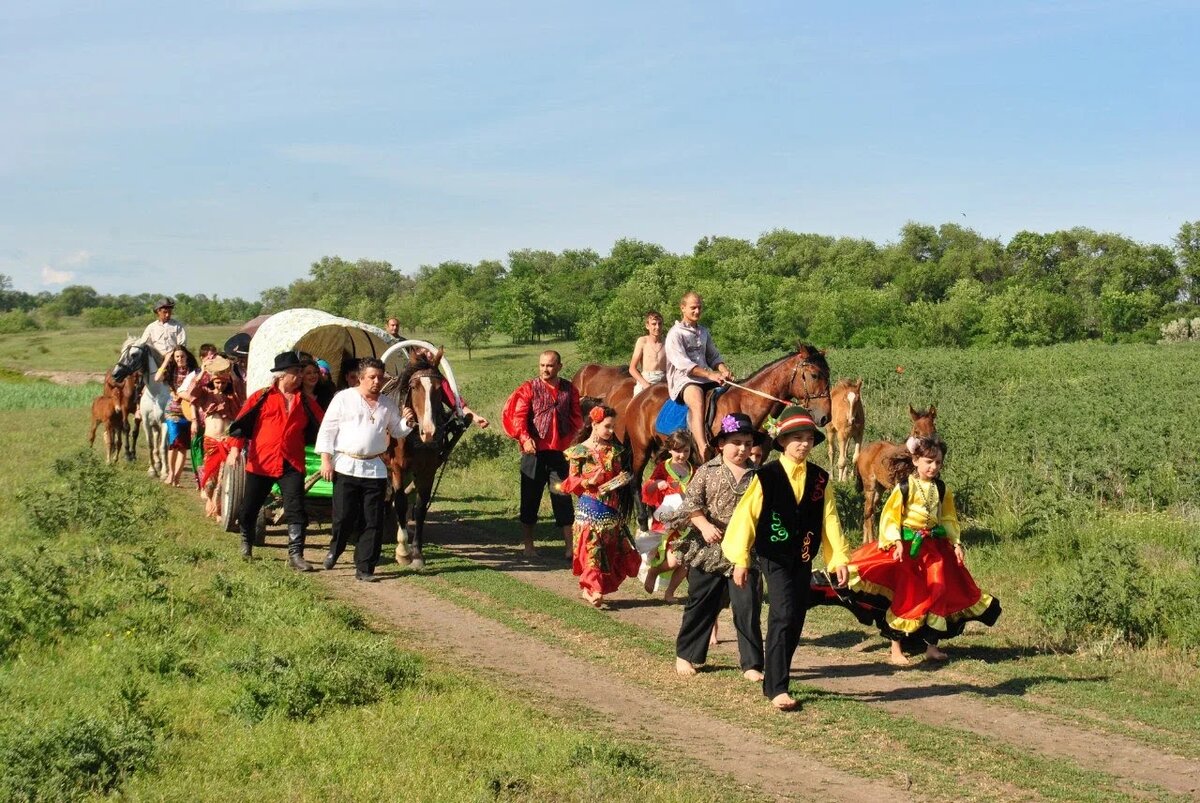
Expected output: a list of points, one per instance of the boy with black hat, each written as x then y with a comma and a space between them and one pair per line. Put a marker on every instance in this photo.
785, 515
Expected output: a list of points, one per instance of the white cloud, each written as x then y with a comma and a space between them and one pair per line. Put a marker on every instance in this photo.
52, 276
77, 259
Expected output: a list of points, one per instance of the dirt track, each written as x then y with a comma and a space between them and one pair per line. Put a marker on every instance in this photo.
529, 665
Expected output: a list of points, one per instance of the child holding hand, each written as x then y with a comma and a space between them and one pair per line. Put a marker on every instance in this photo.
669, 479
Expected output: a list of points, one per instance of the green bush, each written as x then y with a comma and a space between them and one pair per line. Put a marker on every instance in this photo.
302, 683
1102, 595
87, 493
109, 316
17, 321
83, 754
34, 600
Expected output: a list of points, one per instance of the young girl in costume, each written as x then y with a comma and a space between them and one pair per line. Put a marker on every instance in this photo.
602, 555
670, 478
915, 575
712, 495
786, 515
216, 407
178, 372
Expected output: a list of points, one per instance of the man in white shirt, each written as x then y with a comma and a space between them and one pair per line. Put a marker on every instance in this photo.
354, 435
693, 365
165, 334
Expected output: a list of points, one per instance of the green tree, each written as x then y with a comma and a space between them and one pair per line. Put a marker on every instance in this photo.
1187, 255
464, 320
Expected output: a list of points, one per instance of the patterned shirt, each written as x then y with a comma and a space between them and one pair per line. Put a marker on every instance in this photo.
713, 492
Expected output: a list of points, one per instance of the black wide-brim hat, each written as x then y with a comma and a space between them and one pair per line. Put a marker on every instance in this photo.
164, 302
286, 361
238, 345
740, 424
795, 418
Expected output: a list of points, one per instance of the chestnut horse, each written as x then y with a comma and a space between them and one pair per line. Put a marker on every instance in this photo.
884, 463
125, 395
597, 380
846, 421
416, 459
802, 377
106, 411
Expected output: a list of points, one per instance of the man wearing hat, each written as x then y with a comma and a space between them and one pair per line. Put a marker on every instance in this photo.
786, 515
275, 453
165, 334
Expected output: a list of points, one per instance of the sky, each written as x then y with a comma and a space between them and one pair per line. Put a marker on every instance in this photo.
222, 147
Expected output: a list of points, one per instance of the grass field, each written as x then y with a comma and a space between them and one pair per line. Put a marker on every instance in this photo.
152, 662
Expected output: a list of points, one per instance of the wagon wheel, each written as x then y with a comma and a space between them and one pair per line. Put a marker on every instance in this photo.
233, 488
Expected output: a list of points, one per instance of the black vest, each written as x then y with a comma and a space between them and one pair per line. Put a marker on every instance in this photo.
787, 528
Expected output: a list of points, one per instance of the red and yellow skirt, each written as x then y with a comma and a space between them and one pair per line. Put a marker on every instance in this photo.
930, 596
603, 554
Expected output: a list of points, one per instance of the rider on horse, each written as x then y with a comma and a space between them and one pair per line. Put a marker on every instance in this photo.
693, 365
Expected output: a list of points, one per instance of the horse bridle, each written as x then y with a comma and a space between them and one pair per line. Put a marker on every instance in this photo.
808, 397
435, 382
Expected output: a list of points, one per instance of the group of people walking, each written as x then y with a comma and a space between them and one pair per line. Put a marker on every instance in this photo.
739, 527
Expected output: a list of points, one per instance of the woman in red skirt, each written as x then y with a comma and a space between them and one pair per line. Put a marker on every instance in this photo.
915, 577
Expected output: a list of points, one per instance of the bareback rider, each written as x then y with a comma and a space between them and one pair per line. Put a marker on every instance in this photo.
693, 365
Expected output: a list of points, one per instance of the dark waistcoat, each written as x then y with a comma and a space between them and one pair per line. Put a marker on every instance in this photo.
787, 528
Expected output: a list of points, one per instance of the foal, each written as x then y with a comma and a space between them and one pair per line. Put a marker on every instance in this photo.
846, 421
884, 463
106, 411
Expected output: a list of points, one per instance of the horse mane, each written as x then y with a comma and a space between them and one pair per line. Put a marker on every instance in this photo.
807, 350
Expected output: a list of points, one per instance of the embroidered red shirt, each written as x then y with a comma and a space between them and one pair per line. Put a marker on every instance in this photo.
521, 414
278, 433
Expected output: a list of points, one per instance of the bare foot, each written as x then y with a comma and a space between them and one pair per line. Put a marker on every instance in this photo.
592, 598
530, 552
932, 653
684, 668
753, 674
648, 585
785, 702
898, 660
670, 598
568, 554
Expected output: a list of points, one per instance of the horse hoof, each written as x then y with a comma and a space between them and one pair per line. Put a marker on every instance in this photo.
417, 560
403, 558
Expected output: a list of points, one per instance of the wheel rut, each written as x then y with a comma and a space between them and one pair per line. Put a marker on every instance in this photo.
914, 693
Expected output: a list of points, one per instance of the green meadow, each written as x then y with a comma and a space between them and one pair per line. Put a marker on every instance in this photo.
138, 657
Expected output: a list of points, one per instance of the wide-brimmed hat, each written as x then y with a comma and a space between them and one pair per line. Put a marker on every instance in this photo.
794, 418
286, 361
217, 365
238, 345
166, 302
739, 424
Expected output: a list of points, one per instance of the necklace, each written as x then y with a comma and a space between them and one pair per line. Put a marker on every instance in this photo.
929, 496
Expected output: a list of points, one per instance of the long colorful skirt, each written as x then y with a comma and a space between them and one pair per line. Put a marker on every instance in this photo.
930, 596
215, 452
604, 556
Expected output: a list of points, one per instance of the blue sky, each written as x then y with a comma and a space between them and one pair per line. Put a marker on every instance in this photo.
222, 147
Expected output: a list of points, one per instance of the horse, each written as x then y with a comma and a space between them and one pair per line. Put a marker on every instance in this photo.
846, 421
597, 380
415, 460
106, 411
882, 464
125, 395
801, 377
153, 404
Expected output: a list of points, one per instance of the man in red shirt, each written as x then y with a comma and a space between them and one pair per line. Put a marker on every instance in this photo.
275, 454
543, 416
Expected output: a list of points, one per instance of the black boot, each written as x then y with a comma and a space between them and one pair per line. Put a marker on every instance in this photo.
296, 548
247, 545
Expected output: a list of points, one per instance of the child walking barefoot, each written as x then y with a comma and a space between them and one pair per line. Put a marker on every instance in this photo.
786, 515
670, 478
602, 555
915, 576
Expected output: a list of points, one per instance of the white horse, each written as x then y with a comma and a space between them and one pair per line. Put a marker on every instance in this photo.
155, 398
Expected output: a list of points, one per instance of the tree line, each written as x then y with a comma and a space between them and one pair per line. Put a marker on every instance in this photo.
935, 285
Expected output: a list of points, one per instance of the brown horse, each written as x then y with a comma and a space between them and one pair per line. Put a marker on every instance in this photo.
125, 395
415, 460
846, 422
802, 376
105, 411
597, 380
884, 463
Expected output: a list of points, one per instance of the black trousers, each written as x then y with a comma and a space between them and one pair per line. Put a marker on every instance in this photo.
258, 488
358, 502
787, 595
537, 471
706, 597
